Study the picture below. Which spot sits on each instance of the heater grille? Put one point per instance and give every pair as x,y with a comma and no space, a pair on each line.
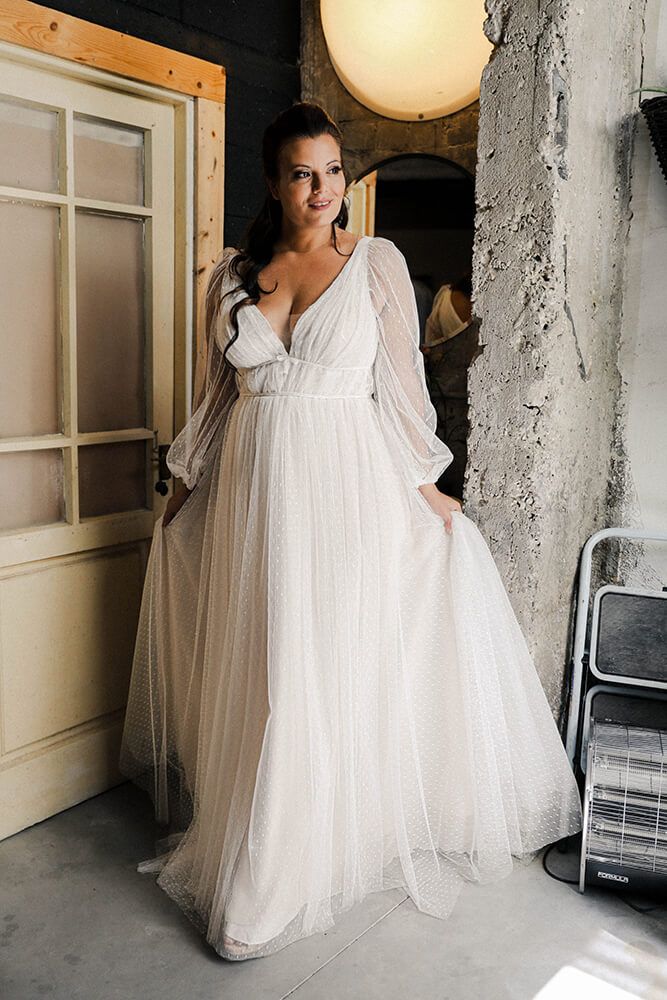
625,822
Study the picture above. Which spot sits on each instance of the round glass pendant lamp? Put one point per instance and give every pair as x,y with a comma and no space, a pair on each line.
411,60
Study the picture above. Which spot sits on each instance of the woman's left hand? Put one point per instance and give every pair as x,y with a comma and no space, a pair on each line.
440,503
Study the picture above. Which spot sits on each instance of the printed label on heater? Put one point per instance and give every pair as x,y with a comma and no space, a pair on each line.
614,878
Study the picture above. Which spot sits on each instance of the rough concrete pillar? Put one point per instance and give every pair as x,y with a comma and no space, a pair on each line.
639,484
552,188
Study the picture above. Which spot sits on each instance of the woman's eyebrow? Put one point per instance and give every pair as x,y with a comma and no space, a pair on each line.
293,165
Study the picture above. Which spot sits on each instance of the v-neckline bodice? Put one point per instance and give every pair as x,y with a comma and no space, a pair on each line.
308,309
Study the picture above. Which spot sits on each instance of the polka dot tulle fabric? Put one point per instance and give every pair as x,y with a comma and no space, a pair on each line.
330,695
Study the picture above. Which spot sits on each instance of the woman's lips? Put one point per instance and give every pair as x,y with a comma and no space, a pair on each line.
320,208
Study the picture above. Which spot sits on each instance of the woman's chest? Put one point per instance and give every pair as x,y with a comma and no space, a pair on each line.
292,287
337,329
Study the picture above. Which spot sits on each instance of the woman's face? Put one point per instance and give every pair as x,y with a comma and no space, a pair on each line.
311,183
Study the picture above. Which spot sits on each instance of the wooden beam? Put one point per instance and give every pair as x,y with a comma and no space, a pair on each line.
45,30
209,211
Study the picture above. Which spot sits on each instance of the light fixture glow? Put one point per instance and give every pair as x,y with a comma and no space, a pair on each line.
407,59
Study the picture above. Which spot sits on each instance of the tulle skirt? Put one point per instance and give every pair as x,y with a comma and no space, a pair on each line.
331,695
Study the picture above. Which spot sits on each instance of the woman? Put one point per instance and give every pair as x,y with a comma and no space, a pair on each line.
330,693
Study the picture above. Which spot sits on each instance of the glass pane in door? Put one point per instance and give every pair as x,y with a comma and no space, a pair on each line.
30,395
111,326
108,161
31,488
28,145
112,477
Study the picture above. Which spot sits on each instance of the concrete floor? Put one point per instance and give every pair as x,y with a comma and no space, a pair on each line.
77,922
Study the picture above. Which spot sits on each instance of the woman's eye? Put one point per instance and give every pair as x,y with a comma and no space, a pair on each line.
305,173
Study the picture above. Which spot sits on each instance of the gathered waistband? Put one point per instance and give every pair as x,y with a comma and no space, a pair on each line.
287,376
311,395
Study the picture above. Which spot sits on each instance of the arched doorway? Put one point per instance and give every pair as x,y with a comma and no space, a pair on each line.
426,205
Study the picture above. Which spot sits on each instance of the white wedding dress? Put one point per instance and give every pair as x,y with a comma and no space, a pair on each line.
331,695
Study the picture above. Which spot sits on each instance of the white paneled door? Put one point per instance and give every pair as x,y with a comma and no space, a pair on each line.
86,397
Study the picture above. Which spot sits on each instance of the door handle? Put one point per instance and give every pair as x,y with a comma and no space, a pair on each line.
164,471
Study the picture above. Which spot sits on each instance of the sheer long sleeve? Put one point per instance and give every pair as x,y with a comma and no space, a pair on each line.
195,446
407,414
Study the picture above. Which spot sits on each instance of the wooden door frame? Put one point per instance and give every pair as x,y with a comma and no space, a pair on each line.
145,67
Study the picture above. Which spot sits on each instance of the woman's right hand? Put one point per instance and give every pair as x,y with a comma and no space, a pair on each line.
174,504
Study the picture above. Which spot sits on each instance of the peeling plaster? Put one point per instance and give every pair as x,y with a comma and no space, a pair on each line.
552,214
494,25
638,480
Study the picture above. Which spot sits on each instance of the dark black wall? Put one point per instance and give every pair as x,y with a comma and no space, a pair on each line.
257,41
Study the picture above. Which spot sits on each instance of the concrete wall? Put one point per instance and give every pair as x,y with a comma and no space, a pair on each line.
640,484
553,189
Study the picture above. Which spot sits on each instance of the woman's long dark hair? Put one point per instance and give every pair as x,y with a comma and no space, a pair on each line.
303,120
